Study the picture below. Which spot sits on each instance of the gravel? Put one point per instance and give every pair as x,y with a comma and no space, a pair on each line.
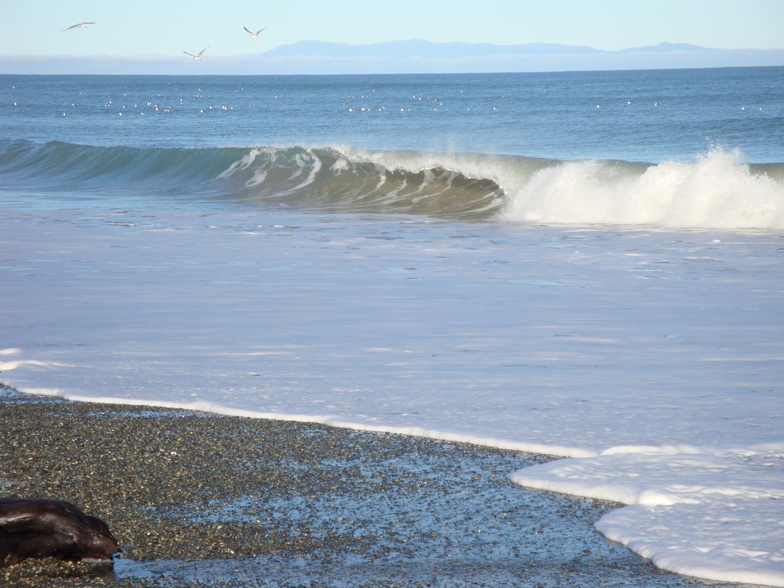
204,500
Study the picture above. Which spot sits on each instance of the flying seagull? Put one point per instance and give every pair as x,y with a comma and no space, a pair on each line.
252,34
81,25
197,57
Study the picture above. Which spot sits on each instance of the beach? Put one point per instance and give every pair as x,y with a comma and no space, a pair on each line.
202,499
329,345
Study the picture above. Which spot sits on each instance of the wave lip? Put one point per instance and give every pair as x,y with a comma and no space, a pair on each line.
716,191
362,181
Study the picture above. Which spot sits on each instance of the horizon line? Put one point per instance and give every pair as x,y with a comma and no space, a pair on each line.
544,44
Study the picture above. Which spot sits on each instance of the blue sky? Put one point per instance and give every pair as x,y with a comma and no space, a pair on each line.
166,28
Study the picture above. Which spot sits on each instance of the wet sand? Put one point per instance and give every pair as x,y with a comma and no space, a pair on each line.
199,499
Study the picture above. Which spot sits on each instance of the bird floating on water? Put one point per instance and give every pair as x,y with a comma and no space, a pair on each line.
79,25
197,57
252,34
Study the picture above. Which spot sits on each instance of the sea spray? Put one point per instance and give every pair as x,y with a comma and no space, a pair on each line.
715,191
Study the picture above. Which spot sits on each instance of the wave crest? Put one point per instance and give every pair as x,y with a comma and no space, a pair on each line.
333,179
716,190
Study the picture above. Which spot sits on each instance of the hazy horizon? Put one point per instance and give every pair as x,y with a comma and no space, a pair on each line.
36,31
404,56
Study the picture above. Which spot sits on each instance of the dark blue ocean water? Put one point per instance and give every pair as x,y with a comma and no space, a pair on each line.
647,116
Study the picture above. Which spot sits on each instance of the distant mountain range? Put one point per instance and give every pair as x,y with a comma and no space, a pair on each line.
413,56
419,49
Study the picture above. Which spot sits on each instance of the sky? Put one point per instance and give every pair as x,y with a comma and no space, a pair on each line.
154,28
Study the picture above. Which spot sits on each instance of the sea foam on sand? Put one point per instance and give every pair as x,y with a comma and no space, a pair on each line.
698,512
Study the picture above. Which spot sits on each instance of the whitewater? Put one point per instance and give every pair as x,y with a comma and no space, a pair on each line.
598,287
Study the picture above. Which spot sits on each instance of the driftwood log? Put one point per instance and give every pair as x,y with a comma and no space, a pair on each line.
51,528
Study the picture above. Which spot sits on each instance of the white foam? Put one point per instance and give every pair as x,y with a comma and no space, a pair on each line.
732,497
241,164
17,363
715,191
732,547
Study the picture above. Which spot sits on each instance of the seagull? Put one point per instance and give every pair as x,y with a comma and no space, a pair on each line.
197,57
252,34
81,25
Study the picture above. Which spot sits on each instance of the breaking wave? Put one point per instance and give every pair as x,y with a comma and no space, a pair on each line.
716,190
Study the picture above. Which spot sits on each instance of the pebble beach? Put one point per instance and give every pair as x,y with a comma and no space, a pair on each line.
202,500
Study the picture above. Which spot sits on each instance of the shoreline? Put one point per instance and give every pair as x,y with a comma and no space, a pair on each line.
234,501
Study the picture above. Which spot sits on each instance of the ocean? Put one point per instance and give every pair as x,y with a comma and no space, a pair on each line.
586,265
